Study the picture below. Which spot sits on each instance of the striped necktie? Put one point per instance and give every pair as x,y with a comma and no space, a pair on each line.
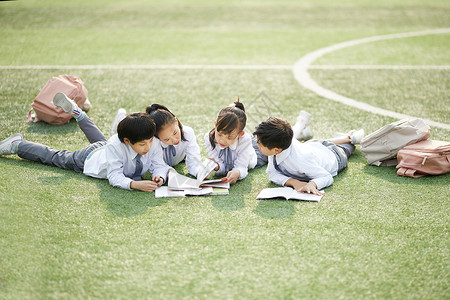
169,153
138,170
227,157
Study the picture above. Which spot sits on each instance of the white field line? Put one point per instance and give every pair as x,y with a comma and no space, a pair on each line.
302,76
376,67
223,67
153,67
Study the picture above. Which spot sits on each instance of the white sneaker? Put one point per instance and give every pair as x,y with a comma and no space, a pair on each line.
87,105
8,146
301,128
120,115
67,105
356,136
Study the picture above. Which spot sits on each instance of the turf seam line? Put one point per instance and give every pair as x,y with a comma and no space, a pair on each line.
302,76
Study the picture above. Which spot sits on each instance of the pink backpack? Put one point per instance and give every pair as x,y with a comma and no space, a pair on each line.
427,157
44,109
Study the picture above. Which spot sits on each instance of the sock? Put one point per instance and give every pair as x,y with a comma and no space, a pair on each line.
78,114
15,146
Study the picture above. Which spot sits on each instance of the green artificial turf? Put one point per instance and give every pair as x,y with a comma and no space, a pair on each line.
374,235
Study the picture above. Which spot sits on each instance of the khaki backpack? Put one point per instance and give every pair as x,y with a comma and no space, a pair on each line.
380,148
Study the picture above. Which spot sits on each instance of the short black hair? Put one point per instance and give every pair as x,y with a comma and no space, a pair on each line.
136,127
274,133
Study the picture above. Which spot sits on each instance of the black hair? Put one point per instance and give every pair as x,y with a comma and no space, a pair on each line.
229,118
136,127
163,116
274,133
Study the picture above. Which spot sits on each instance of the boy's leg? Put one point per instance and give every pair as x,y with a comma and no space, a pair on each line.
120,115
342,153
353,137
348,149
91,131
63,159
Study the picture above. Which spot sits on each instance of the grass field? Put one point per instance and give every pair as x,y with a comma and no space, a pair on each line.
374,235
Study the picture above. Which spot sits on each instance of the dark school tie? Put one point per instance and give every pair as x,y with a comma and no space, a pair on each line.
301,176
276,165
169,153
225,154
138,170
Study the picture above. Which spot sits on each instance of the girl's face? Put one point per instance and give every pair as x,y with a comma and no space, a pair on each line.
170,134
225,140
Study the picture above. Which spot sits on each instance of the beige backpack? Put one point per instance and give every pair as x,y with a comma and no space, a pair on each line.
381,147
42,105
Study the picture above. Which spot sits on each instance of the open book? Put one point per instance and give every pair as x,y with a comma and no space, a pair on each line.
179,182
180,186
164,191
288,194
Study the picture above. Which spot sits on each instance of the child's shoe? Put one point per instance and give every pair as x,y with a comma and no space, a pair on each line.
356,136
120,115
68,105
9,146
87,106
301,129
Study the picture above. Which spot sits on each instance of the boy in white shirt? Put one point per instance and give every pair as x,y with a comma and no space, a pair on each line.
123,159
307,167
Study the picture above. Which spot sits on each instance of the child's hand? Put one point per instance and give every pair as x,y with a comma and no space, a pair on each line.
232,176
295,184
310,188
217,167
144,185
158,180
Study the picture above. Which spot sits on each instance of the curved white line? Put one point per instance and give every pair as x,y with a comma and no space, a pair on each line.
302,76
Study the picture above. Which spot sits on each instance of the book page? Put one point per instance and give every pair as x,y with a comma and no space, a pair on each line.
177,181
305,196
282,192
206,168
287,193
163,191
216,184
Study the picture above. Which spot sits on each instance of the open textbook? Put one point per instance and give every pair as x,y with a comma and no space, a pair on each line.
179,185
164,191
288,194
177,181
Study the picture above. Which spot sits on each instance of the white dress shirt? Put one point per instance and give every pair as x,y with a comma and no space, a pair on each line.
188,150
115,162
311,160
242,152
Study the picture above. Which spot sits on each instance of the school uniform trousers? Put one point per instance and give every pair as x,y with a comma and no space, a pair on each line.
64,159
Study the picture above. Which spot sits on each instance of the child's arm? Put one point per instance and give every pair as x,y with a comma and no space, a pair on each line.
303,187
158,180
193,157
232,176
157,165
144,185
115,167
214,155
244,155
